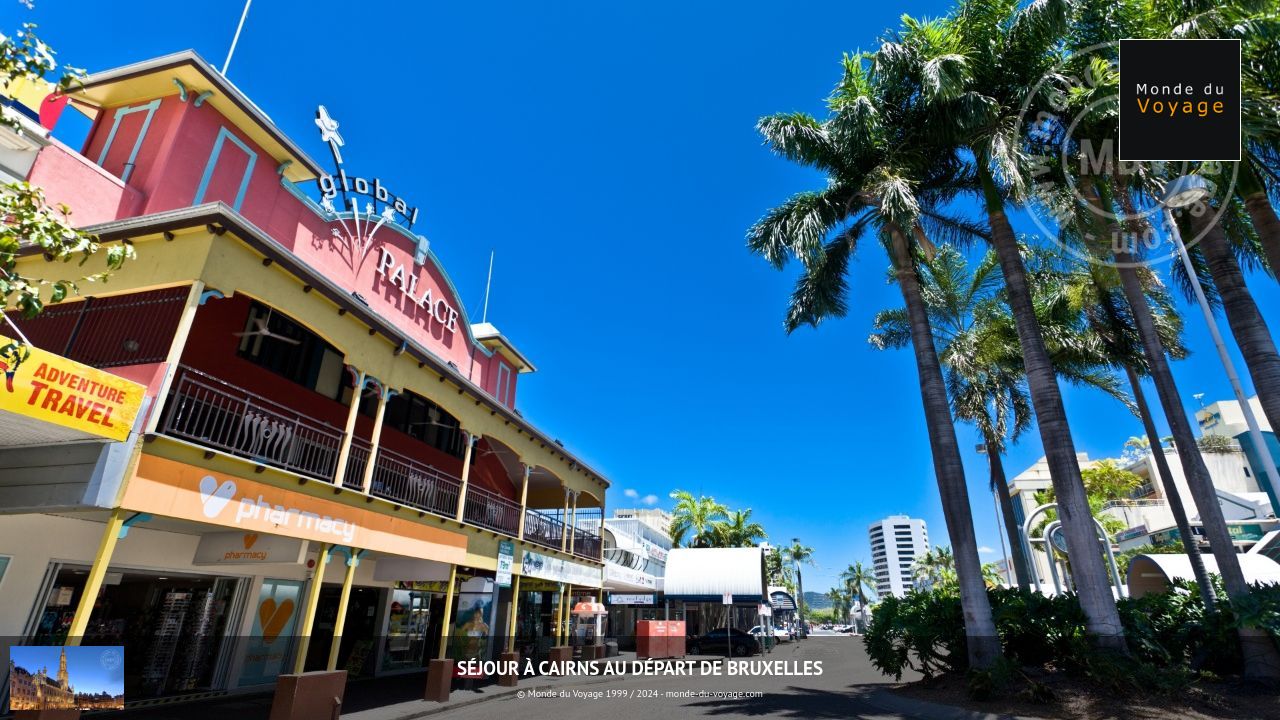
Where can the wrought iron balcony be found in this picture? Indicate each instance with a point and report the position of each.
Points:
(402, 479)
(491, 511)
(543, 529)
(220, 415)
(586, 544)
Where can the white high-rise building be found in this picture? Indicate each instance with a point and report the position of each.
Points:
(896, 542)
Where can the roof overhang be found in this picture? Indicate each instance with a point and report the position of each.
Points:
(707, 574)
(155, 78)
(486, 334)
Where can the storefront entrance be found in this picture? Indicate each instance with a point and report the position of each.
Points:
(172, 623)
(413, 629)
(359, 635)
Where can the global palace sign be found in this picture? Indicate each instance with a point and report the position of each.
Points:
(360, 224)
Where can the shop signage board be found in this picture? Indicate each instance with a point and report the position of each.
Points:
(617, 573)
(506, 559)
(534, 564)
(617, 599)
(173, 489)
(247, 548)
(43, 386)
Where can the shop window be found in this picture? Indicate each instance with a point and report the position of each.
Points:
(4, 565)
(279, 344)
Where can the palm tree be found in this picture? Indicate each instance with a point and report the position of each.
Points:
(936, 569)
(973, 71)
(878, 178)
(737, 530)
(858, 581)
(798, 554)
(1103, 191)
(980, 351)
(839, 603)
(695, 518)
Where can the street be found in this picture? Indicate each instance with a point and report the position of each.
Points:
(839, 692)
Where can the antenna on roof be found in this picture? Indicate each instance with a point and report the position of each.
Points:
(236, 38)
(484, 316)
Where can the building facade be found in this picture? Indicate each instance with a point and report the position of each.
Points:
(635, 566)
(896, 542)
(1226, 418)
(319, 426)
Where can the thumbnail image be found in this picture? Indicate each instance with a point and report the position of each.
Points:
(66, 678)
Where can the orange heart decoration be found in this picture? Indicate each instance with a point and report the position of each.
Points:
(250, 539)
(273, 618)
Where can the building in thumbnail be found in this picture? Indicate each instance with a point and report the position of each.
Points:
(896, 542)
(39, 690)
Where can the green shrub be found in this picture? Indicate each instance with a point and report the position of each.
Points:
(923, 631)
(1170, 636)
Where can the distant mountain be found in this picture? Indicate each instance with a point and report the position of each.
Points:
(817, 601)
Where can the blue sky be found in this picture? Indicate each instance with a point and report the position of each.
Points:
(87, 668)
(608, 155)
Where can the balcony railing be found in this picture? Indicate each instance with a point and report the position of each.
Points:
(211, 412)
(586, 544)
(402, 479)
(543, 529)
(217, 414)
(491, 511)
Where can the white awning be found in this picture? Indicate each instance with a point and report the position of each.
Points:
(1154, 573)
(707, 574)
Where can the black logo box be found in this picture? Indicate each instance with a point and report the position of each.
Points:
(1194, 65)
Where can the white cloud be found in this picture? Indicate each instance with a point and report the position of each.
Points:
(984, 550)
(649, 499)
(631, 493)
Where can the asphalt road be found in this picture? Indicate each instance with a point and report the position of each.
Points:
(839, 692)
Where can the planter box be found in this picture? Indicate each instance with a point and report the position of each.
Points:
(309, 696)
(439, 680)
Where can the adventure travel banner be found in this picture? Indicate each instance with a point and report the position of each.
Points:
(44, 386)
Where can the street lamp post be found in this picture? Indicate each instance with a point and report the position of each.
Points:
(1184, 192)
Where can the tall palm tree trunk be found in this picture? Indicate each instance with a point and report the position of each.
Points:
(1247, 324)
(1261, 658)
(1000, 486)
(980, 630)
(1091, 579)
(1171, 494)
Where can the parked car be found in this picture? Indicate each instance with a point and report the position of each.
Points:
(720, 640)
(779, 635)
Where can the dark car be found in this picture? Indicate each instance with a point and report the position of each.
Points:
(719, 641)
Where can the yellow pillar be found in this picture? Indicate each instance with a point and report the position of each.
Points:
(511, 614)
(560, 617)
(573, 522)
(176, 346)
(564, 524)
(344, 450)
(466, 473)
(309, 611)
(353, 559)
(374, 439)
(524, 501)
(448, 612)
(93, 583)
